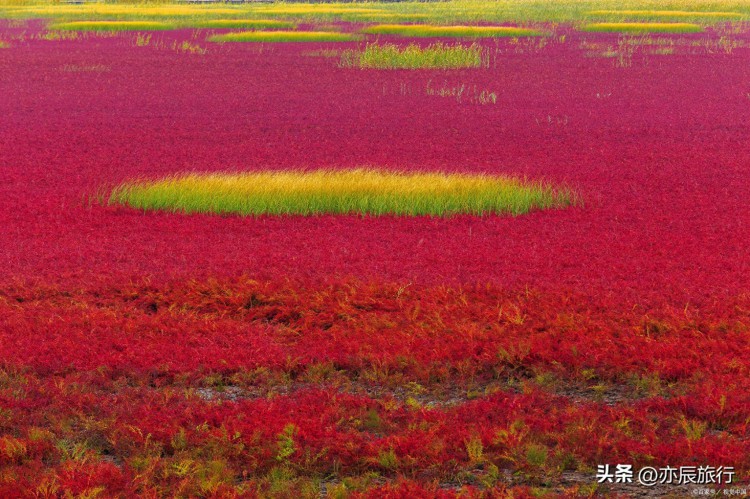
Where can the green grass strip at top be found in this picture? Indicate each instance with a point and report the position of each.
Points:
(383, 17)
(111, 26)
(284, 36)
(655, 14)
(426, 31)
(359, 191)
(245, 24)
(642, 28)
(435, 56)
(312, 10)
(448, 12)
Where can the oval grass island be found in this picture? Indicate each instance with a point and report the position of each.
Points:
(358, 191)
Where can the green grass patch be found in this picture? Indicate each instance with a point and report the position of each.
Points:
(117, 11)
(640, 28)
(384, 17)
(427, 31)
(284, 36)
(668, 14)
(111, 26)
(436, 56)
(245, 24)
(312, 9)
(359, 191)
(449, 12)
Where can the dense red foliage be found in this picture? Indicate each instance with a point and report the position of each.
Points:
(220, 371)
(659, 158)
(139, 354)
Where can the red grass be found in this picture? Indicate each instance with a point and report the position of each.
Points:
(651, 161)
(611, 332)
(360, 370)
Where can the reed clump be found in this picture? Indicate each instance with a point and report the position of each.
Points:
(435, 56)
(358, 191)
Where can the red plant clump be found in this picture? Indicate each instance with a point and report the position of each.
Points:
(655, 150)
(264, 382)
(377, 356)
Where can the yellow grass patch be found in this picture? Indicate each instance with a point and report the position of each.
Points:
(436, 56)
(667, 13)
(387, 15)
(301, 9)
(363, 191)
(449, 12)
(246, 23)
(428, 31)
(284, 36)
(637, 28)
(111, 26)
(119, 11)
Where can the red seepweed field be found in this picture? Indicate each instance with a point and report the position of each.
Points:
(153, 353)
